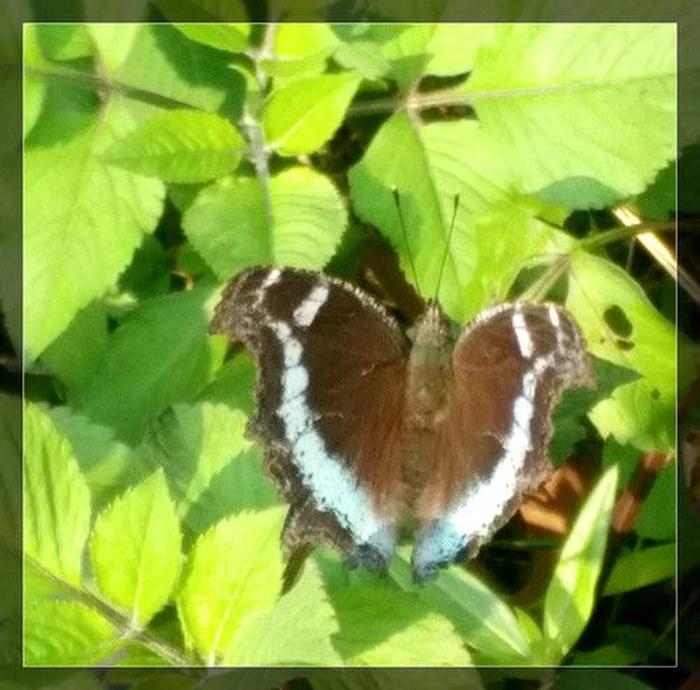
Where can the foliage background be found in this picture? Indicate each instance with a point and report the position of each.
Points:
(124, 144)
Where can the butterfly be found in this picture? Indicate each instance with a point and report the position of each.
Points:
(367, 429)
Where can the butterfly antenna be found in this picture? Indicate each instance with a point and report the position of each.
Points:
(397, 201)
(455, 204)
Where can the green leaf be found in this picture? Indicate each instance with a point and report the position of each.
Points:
(11, 471)
(658, 200)
(165, 62)
(494, 233)
(229, 225)
(296, 632)
(180, 146)
(34, 85)
(213, 468)
(234, 574)
(106, 464)
(570, 596)
(230, 37)
(621, 325)
(66, 633)
(453, 47)
(114, 42)
(554, 97)
(161, 354)
(233, 384)
(641, 568)
(56, 499)
(406, 47)
(356, 50)
(303, 115)
(64, 41)
(135, 549)
(381, 625)
(483, 619)
(576, 403)
(298, 49)
(84, 220)
(75, 354)
(657, 519)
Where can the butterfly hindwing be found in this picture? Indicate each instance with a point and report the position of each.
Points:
(509, 369)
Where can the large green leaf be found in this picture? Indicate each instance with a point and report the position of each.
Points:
(180, 145)
(381, 625)
(76, 353)
(494, 233)
(485, 621)
(295, 219)
(584, 114)
(453, 46)
(571, 593)
(214, 469)
(161, 354)
(163, 61)
(66, 633)
(64, 41)
(135, 549)
(230, 37)
(234, 574)
(56, 499)
(302, 115)
(622, 326)
(296, 632)
(84, 219)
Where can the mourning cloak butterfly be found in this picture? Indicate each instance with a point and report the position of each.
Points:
(365, 428)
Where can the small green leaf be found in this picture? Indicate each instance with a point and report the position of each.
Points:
(64, 41)
(621, 325)
(84, 219)
(184, 146)
(234, 573)
(107, 464)
(232, 38)
(161, 354)
(406, 47)
(296, 632)
(554, 97)
(213, 468)
(56, 499)
(641, 568)
(357, 51)
(135, 549)
(570, 596)
(296, 219)
(233, 384)
(484, 620)
(66, 633)
(303, 115)
(299, 49)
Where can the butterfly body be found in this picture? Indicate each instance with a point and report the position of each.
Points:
(365, 428)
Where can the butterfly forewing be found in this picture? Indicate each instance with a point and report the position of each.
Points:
(330, 388)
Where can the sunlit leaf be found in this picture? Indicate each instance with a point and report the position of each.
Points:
(56, 499)
(180, 146)
(135, 549)
(294, 219)
(570, 596)
(234, 574)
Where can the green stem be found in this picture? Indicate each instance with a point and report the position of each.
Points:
(601, 239)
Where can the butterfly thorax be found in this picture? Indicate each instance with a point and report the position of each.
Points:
(426, 403)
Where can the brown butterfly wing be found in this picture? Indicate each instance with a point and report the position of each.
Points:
(330, 388)
(509, 369)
